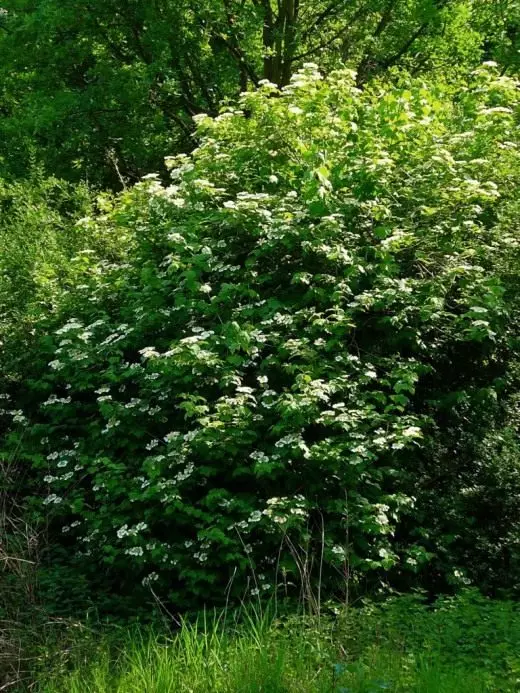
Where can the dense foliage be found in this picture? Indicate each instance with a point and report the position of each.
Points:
(102, 89)
(277, 375)
(259, 335)
(38, 240)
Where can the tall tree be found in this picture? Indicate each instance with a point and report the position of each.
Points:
(103, 89)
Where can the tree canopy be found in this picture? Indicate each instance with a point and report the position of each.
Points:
(101, 90)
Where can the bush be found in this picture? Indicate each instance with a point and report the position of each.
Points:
(38, 238)
(255, 388)
(44, 246)
(44, 233)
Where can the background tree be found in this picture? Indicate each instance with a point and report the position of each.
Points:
(99, 90)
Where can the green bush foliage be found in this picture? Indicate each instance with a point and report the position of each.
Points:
(254, 386)
(38, 239)
(44, 245)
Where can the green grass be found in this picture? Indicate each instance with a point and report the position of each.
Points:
(467, 645)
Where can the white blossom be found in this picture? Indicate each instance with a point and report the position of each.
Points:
(149, 352)
(52, 498)
(122, 532)
(152, 577)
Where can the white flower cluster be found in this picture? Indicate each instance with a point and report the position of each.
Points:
(112, 423)
(280, 510)
(71, 325)
(67, 528)
(54, 399)
(151, 577)
(259, 457)
(52, 498)
(264, 585)
(292, 441)
(18, 416)
(149, 352)
(115, 337)
(125, 531)
(185, 473)
(268, 403)
(199, 336)
(90, 537)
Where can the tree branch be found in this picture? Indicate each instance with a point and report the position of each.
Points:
(392, 60)
(320, 46)
(333, 8)
(236, 50)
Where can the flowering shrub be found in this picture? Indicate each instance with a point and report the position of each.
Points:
(280, 338)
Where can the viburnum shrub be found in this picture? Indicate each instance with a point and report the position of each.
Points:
(267, 360)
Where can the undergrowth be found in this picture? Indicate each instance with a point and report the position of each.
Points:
(463, 644)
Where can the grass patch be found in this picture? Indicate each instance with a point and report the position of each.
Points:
(466, 644)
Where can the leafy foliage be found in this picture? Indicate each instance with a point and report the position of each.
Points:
(38, 240)
(45, 244)
(320, 289)
(107, 87)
